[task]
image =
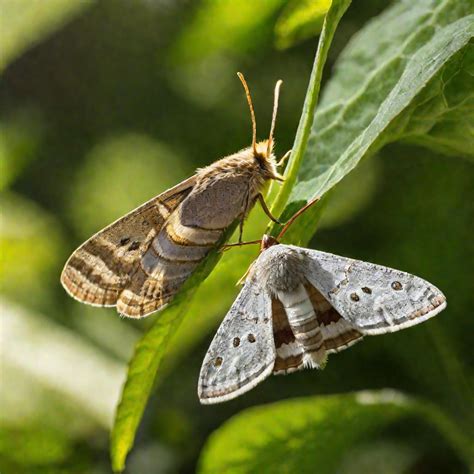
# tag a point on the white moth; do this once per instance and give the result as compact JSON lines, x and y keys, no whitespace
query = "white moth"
{"x":298,"y":305}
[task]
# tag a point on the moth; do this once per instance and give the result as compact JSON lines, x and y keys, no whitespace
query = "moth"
{"x":298,"y":305}
{"x":139,"y":262}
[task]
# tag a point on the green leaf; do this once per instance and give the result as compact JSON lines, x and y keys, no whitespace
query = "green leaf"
{"x":297,"y":435}
{"x":331,"y":21}
{"x":150,"y":350}
{"x":300,"y":20}
{"x":145,"y":362}
{"x":404,"y":76}
{"x":24,"y":23}
{"x":140,"y":378}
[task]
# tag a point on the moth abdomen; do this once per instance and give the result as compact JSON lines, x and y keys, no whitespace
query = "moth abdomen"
{"x":304,"y":325}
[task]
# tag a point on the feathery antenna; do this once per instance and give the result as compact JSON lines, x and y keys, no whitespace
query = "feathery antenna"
{"x":276,"y":97}
{"x":252,"y":112}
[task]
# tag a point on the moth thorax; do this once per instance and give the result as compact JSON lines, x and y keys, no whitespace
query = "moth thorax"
{"x":280,"y":269}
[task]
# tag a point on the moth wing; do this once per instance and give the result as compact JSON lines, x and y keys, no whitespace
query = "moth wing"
{"x":98,"y":271}
{"x":373,"y":298}
{"x":338,"y":334}
{"x":242,"y":353}
{"x":289,"y":353}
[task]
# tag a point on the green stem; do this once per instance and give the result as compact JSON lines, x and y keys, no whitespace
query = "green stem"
{"x":335,"y":13}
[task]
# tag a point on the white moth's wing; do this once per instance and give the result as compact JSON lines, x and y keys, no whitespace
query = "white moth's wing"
{"x":373,"y":298}
{"x":242,"y":352}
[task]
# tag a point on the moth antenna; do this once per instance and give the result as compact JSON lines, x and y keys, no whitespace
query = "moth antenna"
{"x":252,"y":112}
{"x":295,"y":216}
{"x":276,"y":97}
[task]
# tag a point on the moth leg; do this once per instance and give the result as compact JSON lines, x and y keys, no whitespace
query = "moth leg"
{"x":266,"y":210}
{"x":239,"y":244}
{"x":284,"y":158}
{"x":241,"y":230}
{"x":244,"y":215}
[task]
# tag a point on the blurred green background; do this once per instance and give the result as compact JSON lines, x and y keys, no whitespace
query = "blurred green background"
{"x":104,"y":105}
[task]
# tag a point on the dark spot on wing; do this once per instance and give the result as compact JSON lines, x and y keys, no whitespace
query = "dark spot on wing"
{"x":134,"y":245}
{"x":251,"y":338}
{"x":367,"y":290}
{"x":124,"y":241}
{"x":236,"y":342}
{"x":354,"y":297}
{"x":218,"y":362}
{"x":397,"y":286}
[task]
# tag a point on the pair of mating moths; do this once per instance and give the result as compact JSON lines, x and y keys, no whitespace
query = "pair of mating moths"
{"x":297,"y":305}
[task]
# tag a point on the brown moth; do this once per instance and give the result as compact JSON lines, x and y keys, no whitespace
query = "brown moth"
{"x":139,"y":262}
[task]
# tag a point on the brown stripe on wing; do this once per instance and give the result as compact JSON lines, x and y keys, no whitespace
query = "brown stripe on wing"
{"x":164,"y":267}
{"x":282,"y":332}
{"x":195,"y":236}
{"x":169,"y":250}
{"x":289,"y":355}
{"x":146,"y":295}
{"x":437,"y":302}
{"x":94,"y":274}
{"x":338,"y":333}
{"x":103,"y":266}
{"x":288,"y":364}
{"x":86,"y":283}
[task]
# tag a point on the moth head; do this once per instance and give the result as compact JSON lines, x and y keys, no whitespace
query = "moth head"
{"x":267,"y":242}
{"x":263,"y":151}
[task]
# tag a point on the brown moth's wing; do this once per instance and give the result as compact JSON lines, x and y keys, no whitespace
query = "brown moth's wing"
{"x":338,"y":334}
{"x":101,"y":268}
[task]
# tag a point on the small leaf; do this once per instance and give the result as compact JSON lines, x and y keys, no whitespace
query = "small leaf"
{"x":24,"y":23}
{"x":298,"y":435}
{"x":300,"y":20}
